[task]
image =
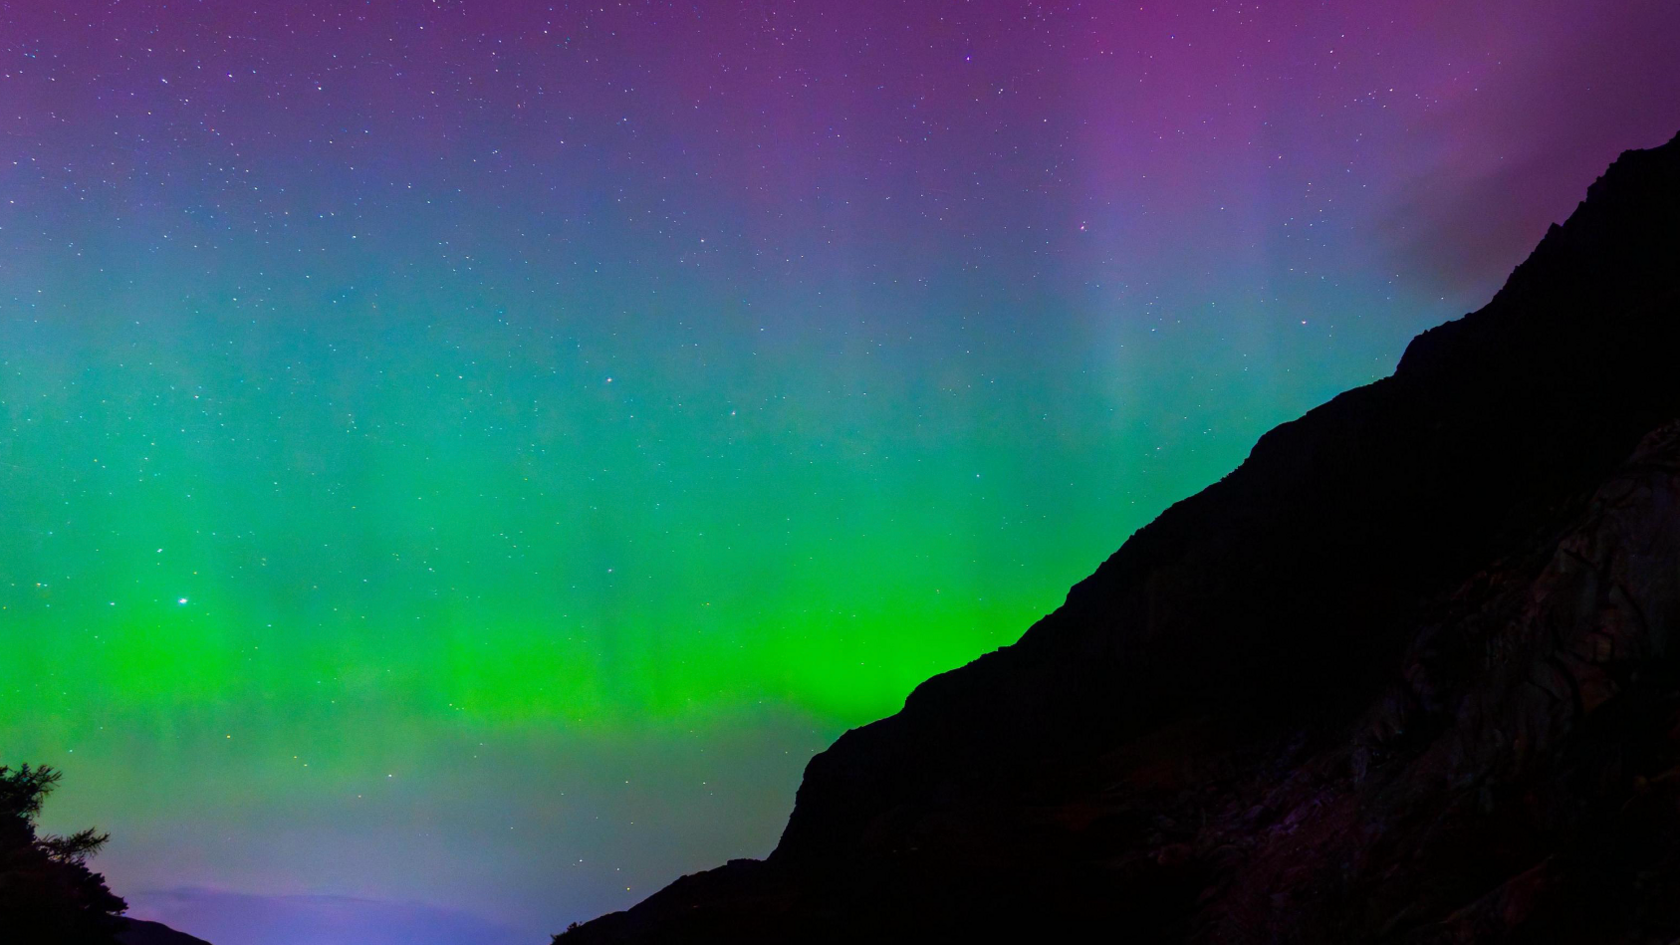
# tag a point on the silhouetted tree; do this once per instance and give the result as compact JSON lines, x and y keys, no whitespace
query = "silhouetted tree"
{"x":47,"y":893}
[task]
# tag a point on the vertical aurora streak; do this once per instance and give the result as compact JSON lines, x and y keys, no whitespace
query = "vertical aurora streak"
{"x":473,"y":453}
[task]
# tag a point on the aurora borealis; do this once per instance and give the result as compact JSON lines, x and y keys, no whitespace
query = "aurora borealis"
{"x":472,"y":454}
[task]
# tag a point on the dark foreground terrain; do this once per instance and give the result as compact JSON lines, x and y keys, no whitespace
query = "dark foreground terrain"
{"x":1408,"y":674}
{"x":48,"y":894}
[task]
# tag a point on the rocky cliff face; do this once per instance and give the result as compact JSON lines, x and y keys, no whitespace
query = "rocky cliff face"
{"x":1405,"y":675}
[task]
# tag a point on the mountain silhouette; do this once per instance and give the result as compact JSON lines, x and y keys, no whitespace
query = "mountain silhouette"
{"x":48,"y":893}
{"x":142,"y":932}
{"x":1405,"y":675}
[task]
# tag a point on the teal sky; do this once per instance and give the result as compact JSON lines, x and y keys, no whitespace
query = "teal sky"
{"x":470,"y":458}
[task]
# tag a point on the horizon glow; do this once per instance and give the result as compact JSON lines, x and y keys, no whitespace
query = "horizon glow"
{"x":458,"y":461}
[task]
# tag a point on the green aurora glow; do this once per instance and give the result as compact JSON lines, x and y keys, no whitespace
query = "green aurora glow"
{"x":475,"y":453}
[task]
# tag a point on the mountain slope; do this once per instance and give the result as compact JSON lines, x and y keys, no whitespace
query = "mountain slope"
{"x":142,"y":932}
{"x":48,"y":893}
{"x":1403,"y":675}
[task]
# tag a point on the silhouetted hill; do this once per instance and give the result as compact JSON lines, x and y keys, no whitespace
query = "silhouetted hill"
{"x":141,"y":932}
{"x":48,"y":894}
{"x":1406,"y":675}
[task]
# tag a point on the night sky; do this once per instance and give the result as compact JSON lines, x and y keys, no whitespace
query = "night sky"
{"x":458,"y":460}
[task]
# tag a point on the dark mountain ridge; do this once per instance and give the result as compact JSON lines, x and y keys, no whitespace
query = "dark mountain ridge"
{"x":142,"y":932}
{"x":48,"y":893}
{"x":1404,"y":675}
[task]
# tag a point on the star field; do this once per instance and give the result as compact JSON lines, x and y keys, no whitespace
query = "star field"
{"x":473,"y":453}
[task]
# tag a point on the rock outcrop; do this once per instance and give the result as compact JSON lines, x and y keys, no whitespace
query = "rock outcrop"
{"x":1408,"y":674}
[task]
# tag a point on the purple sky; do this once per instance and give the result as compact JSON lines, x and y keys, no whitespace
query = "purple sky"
{"x":472,"y":453}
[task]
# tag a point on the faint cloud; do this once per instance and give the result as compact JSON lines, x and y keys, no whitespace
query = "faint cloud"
{"x":1500,"y":163}
{"x":230,"y":918}
{"x":1464,"y":231}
